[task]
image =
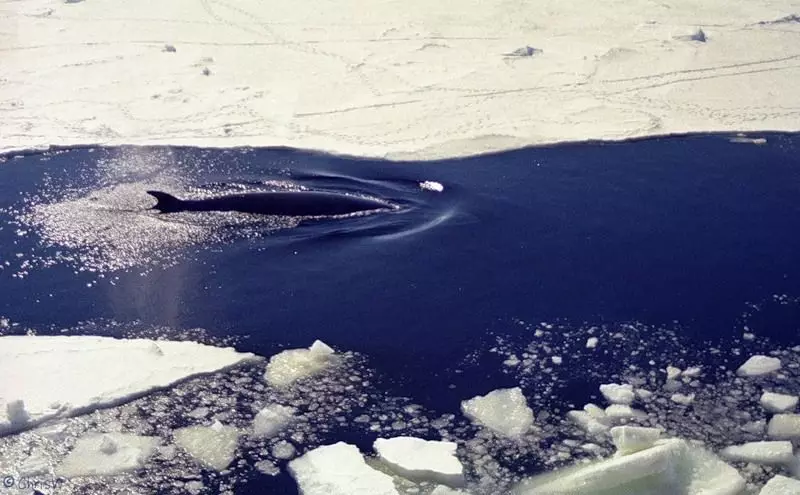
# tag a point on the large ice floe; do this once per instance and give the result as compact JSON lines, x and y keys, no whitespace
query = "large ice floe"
{"x":46,"y":377}
{"x":405,"y":78}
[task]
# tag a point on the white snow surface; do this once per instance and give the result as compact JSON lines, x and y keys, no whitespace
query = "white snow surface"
{"x":421,"y":460}
{"x":400,"y":79}
{"x":46,"y":377}
{"x":339,"y":469}
{"x":106,"y":454}
{"x":504,"y":411}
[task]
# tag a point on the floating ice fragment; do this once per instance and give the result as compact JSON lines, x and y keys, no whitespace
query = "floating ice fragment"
{"x":630,"y":439}
{"x":35,"y":465}
{"x":35,"y":370}
{"x":213,"y":445}
{"x":784,"y":426}
{"x":673,"y":372}
{"x":587,"y":422}
{"x":422,"y":460}
{"x":619,"y":412}
{"x":591,"y":342}
{"x":283,"y":450}
{"x":338,"y":469}
{"x":430,"y":185}
{"x":759,"y":365}
{"x":291,"y":365}
{"x":781,"y":485}
{"x":669,"y":467}
{"x":774,"y":452}
{"x":774,"y":402}
{"x":682,"y":399}
{"x":272,"y":419}
{"x":504,"y":411}
{"x":101,"y":454}
{"x":617,"y":394}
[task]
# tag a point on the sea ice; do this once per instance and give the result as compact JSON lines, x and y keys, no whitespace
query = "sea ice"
{"x":504,"y":411}
{"x":430,"y":185}
{"x":588,"y":422}
{"x":784,"y":426}
{"x":669,"y":467}
{"x":284,"y":450}
{"x":291,"y":365}
{"x":617,"y":394}
{"x":422,"y":460}
{"x":272,"y":419}
{"x":99,"y":371}
{"x":619,"y":412}
{"x":212,"y":445}
{"x":35,"y":465}
{"x":400,"y":79}
{"x":775,"y":403}
{"x":759,"y":365}
{"x":106,"y":454}
{"x":338,"y":469}
{"x":775,"y":452}
{"x":630,"y":439}
{"x":781,"y":485}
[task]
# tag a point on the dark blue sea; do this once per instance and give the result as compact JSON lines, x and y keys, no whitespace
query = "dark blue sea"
{"x":695,"y":237}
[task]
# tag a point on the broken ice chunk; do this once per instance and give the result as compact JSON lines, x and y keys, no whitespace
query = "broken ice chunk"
{"x":422,"y":460}
{"x":759,"y":365}
{"x":774,"y":402}
{"x":504,"y":411}
{"x":617,"y":394}
{"x":291,"y":365}
{"x":785,"y":426}
{"x":774,"y":452}
{"x":339,"y":469}
{"x":630,"y":439}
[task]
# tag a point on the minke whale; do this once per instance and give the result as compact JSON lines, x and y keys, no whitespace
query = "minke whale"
{"x":285,"y":203}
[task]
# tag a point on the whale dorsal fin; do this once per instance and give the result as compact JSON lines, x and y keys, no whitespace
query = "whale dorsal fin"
{"x":165,"y":203}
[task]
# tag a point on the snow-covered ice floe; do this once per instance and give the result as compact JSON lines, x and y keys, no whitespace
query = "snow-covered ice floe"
{"x":339,"y":469}
{"x":504,"y":411}
{"x":287,"y":367}
{"x":666,"y":468}
{"x":47,"y":377}
{"x":406,"y":79}
{"x":106,"y":454}
{"x":213,"y":445}
{"x":422,"y":460}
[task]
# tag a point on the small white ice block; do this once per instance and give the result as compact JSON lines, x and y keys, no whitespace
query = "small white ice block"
{"x":339,"y":469}
{"x":759,"y":366}
{"x":784,"y":426}
{"x":774,"y":452}
{"x":422,"y":460}
{"x":504,"y":411}
{"x":774,"y":402}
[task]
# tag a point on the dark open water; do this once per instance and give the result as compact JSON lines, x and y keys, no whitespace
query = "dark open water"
{"x":691,"y":231}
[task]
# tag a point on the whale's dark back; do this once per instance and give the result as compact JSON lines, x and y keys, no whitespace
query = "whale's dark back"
{"x":289,"y":203}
